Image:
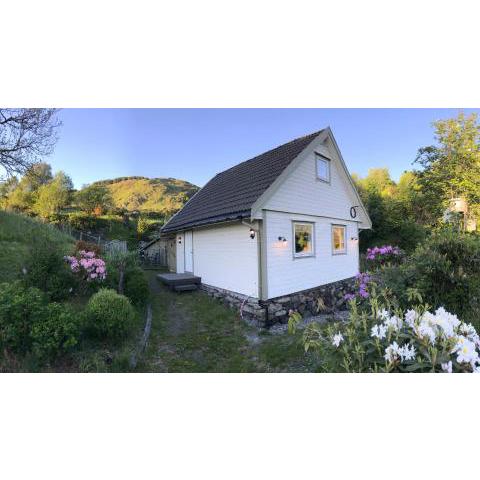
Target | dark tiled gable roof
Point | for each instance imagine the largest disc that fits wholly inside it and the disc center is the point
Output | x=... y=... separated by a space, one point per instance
x=230 y=194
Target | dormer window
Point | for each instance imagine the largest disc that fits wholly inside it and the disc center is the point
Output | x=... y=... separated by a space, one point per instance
x=323 y=168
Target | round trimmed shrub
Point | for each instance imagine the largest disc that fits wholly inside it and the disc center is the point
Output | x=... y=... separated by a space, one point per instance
x=136 y=286
x=109 y=315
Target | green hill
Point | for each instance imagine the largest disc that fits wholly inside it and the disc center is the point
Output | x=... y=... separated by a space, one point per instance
x=17 y=234
x=159 y=195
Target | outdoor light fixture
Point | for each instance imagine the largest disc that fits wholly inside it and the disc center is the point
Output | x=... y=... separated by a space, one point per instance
x=354 y=239
x=180 y=240
x=282 y=239
x=252 y=233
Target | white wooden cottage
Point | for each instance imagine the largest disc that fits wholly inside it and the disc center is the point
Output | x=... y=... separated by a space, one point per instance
x=283 y=222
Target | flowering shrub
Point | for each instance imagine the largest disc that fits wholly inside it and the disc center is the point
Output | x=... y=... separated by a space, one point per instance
x=385 y=341
x=88 y=246
x=88 y=266
x=363 y=280
x=385 y=255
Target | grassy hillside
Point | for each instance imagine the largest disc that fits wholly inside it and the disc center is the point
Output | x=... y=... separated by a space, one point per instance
x=159 y=195
x=17 y=234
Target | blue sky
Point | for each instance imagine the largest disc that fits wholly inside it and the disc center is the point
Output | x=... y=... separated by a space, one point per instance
x=195 y=144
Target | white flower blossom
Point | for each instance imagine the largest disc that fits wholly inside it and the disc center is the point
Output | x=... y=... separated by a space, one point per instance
x=392 y=352
x=466 y=352
x=468 y=330
x=383 y=314
x=425 y=330
x=394 y=322
x=410 y=317
x=447 y=367
x=407 y=352
x=446 y=321
x=337 y=339
x=379 y=331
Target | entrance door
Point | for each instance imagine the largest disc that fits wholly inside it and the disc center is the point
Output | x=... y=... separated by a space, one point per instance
x=189 y=251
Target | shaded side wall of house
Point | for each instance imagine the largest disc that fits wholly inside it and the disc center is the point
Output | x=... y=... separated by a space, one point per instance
x=224 y=256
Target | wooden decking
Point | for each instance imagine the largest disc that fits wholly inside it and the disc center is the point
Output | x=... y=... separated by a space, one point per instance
x=180 y=282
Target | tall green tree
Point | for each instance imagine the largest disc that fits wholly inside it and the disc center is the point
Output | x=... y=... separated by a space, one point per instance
x=94 y=199
x=53 y=196
x=451 y=168
x=25 y=194
x=391 y=209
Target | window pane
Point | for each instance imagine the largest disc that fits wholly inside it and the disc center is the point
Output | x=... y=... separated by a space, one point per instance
x=303 y=238
x=323 y=169
x=339 y=239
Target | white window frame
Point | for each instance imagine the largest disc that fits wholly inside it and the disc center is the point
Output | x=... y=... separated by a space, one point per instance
x=308 y=254
x=344 y=250
x=321 y=158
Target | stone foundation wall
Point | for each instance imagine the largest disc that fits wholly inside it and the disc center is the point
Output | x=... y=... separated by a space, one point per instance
x=324 y=299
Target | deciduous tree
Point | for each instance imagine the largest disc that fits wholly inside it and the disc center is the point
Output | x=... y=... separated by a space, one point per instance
x=26 y=136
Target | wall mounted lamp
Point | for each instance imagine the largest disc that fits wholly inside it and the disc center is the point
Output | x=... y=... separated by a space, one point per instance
x=252 y=233
x=282 y=239
x=354 y=239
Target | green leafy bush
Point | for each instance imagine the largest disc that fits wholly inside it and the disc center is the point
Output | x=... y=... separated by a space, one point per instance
x=30 y=325
x=81 y=221
x=55 y=333
x=445 y=270
x=136 y=286
x=20 y=308
x=109 y=315
x=46 y=269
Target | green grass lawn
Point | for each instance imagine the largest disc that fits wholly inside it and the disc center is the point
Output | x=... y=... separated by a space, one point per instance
x=191 y=332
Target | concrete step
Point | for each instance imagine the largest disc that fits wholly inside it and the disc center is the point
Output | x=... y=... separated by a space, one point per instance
x=185 y=288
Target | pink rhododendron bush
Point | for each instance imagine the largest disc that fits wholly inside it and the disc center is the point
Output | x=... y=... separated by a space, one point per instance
x=88 y=266
x=380 y=340
x=376 y=257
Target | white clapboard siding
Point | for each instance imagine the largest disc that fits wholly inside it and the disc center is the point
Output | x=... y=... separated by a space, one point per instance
x=286 y=274
x=226 y=257
x=301 y=192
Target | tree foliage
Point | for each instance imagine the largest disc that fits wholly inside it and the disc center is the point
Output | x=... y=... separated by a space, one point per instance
x=94 y=199
x=27 y=135
x=53 y=196
x=451 y=168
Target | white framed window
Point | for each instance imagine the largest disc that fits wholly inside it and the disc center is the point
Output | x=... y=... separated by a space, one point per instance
x=323 y=168
x=339 y=243
x=303 y=236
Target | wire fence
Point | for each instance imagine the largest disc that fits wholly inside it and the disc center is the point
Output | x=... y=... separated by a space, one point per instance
x=154 y=260
x=107 y=245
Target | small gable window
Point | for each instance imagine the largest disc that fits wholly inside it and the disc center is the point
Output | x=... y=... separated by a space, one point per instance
x=303 y=234
x=323 y=168
x=338 y=239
